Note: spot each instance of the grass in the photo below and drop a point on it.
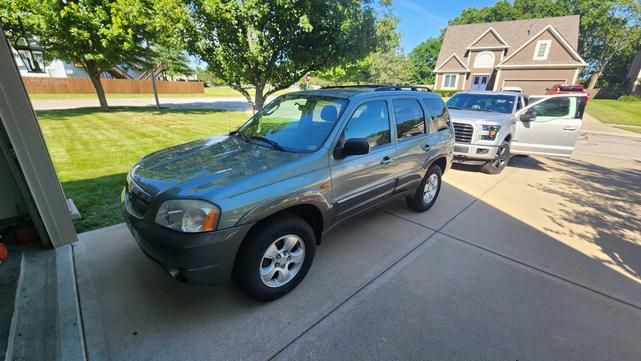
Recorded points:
(92, 151)
(616, 112)
(630, 129)
(215, 92)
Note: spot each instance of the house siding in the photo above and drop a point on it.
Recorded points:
(491, 72)
(557, 54)
(489, 39)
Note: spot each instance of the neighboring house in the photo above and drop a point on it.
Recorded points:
(634, 75)
(531, 54)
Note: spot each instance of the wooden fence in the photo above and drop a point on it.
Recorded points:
(83, 85)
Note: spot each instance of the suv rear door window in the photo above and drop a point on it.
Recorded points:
(438, 111)
(370, 121)
(410, 119)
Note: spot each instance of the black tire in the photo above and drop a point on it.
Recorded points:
(249, 258)
(499, 163)
(417, 202)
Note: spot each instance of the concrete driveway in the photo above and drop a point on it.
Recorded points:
(540, 262)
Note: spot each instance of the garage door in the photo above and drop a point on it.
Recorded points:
(533, 87)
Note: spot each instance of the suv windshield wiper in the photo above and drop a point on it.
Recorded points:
(272, 143)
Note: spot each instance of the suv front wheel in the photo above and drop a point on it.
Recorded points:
(427, 191)
(275, 257)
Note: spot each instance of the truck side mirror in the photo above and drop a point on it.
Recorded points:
(528, 116)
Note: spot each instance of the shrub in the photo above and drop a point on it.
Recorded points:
(630, 98)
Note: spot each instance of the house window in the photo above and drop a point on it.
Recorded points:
(484, 60)
(542, 49)
(449, 81)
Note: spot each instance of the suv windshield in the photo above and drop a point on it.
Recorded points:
(484, 102)
(295, 123)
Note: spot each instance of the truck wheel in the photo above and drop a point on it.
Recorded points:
(427, 191)
(275, 257)
(499, 162)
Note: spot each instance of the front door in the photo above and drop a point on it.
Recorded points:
(359, 180)
(549, 126)
(479, 82)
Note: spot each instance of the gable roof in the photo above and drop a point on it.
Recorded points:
(464, 67)
(556, 35)
(514, 33)
(501, 43)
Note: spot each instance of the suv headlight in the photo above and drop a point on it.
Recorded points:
(490, 131)
(188, 215)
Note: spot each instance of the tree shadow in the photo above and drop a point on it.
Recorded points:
(516, 161)
(97, 200)
(604, 200)
(63, 114)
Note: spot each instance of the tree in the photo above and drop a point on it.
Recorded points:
(610, 30)
(390, 68)
(176, 62)
(422, 61)
(97, 34)
(276, 42)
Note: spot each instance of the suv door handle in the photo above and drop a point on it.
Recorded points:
(569, 127)
(426, 147)
(386, 160)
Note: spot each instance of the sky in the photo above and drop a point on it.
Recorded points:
(422, 19)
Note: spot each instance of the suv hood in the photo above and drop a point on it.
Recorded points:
(481, 117)
(215, 161)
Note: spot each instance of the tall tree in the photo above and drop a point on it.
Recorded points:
(276, 42)
(422, 61)
(97, 34)
(610, 30)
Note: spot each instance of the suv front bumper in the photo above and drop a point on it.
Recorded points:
(472, 153)
(198, 258)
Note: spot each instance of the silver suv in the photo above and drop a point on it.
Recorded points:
(255, 203)
(492, 126)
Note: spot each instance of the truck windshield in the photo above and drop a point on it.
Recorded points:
(294, 123)
(482, 102)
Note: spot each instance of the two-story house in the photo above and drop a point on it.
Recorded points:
(531, 54)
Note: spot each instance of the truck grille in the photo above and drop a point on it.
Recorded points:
(463, 132)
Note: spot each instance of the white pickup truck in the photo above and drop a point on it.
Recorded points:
(491, 126)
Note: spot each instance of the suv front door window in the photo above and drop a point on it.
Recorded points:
(360, 179)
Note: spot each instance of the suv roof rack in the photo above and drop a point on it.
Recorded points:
(378, 87)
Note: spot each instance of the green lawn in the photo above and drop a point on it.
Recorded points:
(92, 150)
(221, 92)
(616, 112)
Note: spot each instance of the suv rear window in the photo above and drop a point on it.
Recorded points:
(410, 119)
(438, 112)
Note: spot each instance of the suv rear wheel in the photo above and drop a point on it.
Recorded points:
(499, 162)
(275, 257)
(427, 191)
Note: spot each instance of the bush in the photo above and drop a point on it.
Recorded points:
(445, 93)
(630, 98)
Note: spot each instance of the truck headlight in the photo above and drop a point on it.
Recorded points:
(490, 132)
(188, 215)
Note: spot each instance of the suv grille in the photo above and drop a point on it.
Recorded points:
(137, 199)
(463, 132)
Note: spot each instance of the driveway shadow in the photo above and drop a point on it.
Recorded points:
(607, 201)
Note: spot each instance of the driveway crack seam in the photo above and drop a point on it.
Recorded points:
(351, 296)
(535, 269)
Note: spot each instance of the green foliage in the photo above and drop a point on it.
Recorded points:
(389, 68)
(610, 30)
(630, 98)
(422, 61)
(276, 42)
(176, 61)
(99, 34)
(445, 93)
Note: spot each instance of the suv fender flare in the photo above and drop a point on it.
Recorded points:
(302, 197)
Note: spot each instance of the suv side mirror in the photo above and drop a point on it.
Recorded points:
(355, 146)
(528, 116)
